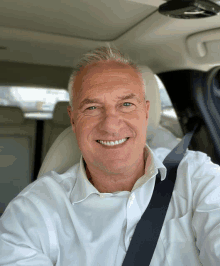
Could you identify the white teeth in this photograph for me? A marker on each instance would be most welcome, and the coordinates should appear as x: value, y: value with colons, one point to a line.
x: 112, y: 143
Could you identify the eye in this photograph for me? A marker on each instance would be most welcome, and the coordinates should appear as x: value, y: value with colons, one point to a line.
x: 128, y: 103
x: 90, y: 107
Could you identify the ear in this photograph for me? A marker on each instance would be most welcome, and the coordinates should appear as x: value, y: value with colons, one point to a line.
x: 70, y: 113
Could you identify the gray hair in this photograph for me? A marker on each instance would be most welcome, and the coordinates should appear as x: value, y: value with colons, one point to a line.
x: 102, y: 54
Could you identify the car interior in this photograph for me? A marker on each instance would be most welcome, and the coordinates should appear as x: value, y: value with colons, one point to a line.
x: 176, y: 44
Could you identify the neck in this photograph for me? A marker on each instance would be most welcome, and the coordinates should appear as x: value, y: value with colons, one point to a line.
x: 125, y: 183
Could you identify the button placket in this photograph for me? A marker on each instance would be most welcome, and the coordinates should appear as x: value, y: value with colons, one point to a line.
x: 133, y: 216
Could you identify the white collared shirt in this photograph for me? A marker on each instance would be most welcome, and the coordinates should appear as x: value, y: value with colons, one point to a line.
x: 63, y: 220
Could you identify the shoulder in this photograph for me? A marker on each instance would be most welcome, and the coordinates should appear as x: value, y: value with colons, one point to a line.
x: 48, y: 189
x: 199, y: 163
x: 197, y: 169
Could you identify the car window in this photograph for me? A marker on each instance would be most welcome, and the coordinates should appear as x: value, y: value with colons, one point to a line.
x: 37, y: 103
x: 169, y: 119
x: 166, y: 104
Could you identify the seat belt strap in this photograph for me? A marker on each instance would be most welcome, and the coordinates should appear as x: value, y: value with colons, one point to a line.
x: 145, y: 237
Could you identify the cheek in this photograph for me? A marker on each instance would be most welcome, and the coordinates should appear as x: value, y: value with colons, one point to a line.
x: 140, y: 122
x: 84, y: 126
x: 142, y: 125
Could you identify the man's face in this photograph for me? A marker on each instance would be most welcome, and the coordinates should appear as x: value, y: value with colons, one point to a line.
x: 100, y: 113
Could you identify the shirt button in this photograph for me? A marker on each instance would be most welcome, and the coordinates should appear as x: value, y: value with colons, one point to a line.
x: 130, y: 239
x: 102, y: 196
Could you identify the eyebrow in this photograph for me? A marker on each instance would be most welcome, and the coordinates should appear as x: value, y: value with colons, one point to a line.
x: 95, y: 100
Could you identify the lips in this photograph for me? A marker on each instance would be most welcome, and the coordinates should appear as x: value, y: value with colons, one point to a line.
x: 113, y: 147
x: 112, y: 140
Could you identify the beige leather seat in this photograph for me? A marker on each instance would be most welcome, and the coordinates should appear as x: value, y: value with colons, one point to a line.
x: 65, y: 151
x: 17, y: 146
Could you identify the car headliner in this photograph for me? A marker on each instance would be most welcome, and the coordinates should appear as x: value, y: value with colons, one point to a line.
x: 57, y: 33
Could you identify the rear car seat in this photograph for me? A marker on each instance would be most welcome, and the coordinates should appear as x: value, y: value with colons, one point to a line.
x: 17, y: 145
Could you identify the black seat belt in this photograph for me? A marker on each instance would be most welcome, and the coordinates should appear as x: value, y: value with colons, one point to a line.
x: 38, y: 148
x: 145, y: 237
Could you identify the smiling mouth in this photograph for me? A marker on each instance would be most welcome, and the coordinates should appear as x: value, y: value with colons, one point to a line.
x: 112, y: 143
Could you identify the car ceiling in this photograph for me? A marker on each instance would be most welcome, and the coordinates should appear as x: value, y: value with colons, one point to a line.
x: 57, y: 33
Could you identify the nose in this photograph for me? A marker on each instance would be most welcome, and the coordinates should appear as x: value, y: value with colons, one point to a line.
x: 111, y: 122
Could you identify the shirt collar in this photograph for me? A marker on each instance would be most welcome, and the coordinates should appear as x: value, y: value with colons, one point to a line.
x: 83, y: 188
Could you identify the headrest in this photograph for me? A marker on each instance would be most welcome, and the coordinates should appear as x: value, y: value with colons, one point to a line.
x: 11, y: 115
x: 153, y: 95
x: 60, y: 114
x: 65, y: 152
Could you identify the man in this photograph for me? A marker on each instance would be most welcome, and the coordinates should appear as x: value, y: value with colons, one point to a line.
x: 87, y: 215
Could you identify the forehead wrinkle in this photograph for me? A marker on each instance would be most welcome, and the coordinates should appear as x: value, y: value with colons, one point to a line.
x: 99, y: 81
x: 96, y: 100
x: 104, y: 77
x: 99, y: 78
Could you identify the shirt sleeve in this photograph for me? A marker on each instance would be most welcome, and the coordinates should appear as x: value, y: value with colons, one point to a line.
x: 206, y: 209
x: 24, y: 237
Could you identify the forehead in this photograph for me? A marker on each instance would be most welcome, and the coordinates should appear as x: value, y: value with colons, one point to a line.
x: 110, y: 75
